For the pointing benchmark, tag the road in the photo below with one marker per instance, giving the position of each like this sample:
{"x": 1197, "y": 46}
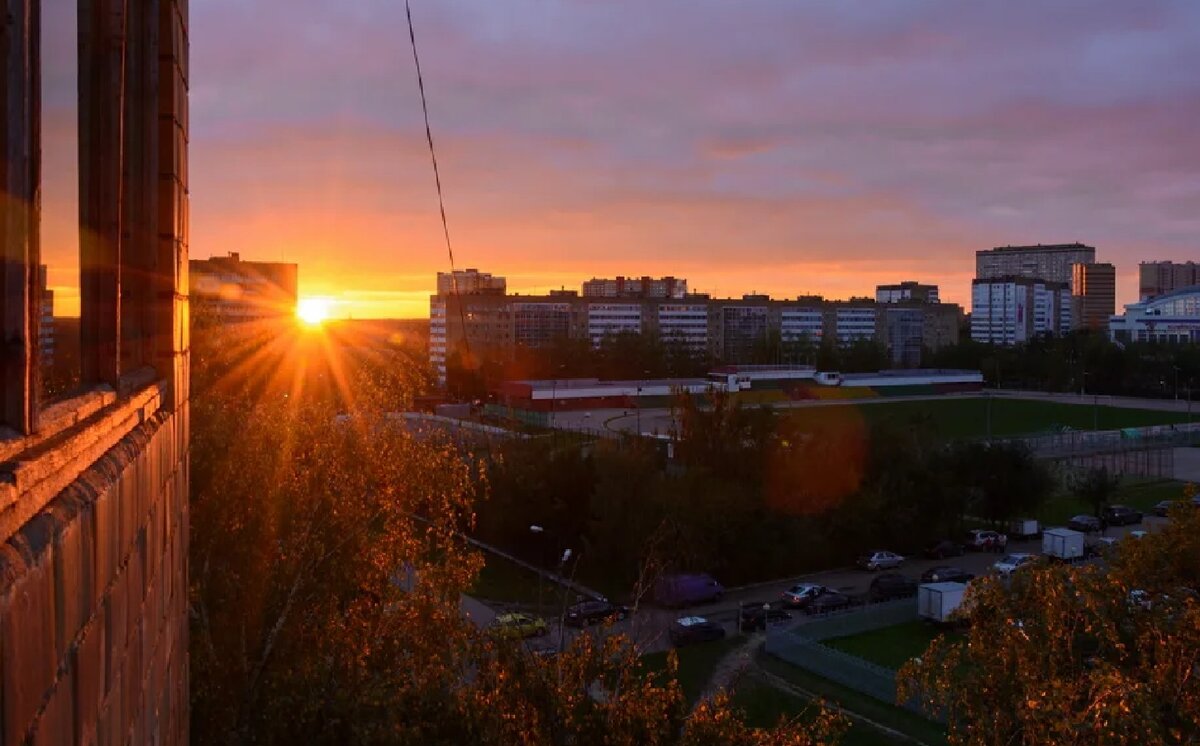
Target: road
{"x": 648, "y": 626}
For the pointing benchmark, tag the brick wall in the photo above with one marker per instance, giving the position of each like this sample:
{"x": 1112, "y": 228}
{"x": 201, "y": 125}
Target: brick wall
{"x": 93, "y": 601}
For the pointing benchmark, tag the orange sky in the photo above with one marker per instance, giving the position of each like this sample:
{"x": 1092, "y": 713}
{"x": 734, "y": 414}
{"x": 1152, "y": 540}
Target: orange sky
{"x": 772, "y": 146}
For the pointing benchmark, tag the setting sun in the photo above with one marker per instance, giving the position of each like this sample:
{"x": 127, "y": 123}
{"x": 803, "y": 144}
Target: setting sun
{"x": 313, "y": 311}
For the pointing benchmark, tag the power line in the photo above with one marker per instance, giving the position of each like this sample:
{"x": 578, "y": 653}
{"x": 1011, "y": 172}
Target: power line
{"x": 437, "y": 178}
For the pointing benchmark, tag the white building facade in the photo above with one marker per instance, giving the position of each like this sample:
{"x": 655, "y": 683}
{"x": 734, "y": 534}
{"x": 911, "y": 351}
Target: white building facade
{"x": 1014, "y": 310}
{"x": 1172, "y": 318}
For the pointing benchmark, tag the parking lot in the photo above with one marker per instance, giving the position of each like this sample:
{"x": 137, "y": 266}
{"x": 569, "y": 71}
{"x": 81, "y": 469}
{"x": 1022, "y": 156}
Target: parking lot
{"x": 649, "y": 624}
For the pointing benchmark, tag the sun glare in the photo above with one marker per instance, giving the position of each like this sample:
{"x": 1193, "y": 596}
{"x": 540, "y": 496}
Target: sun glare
{"x": 313, "y": 311}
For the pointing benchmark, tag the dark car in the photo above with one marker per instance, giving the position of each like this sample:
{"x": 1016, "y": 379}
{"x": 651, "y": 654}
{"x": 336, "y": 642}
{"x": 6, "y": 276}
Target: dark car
{"x": 1164, "y": 507}
{"x": 757, "y": 615}
{"x": 946, "y": 574}
{"x": 689, "y": 629}
{"x": 827, "y": 602}
{"x": 943, "y": 549}
{"x": 1122, "y": 515}
{"x": 891, "y": 585}
{"x": 799, "y": 596}
{"x": 593, "y": 612}
{"x": 1085, "y": 523}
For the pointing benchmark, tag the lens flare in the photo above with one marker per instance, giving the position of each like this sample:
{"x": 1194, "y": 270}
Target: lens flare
{"x": 313, "y": 311}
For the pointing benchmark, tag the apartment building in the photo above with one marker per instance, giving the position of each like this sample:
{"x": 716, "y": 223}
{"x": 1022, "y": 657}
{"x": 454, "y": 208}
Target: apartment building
{"x": 635, "y": 287}
{"x": 1013, "y": 310}
{"x": 1048, "y": 262}
{"x": 1160, "y": 278}
{"x": 232, "y": 290}
{"x": 909, "y": 290}
{"x": 494, "y": 324}
{"x": 1094, "y": 293}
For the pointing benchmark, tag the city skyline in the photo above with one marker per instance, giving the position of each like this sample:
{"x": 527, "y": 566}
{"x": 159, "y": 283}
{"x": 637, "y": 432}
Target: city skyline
{"x": 778, "y": 148}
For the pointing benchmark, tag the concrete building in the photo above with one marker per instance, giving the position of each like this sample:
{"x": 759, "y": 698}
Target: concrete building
{"x": 1049, "y": 262}
{"x": 1173, "y": 318}
{"x": 1013, "y": 310}
{"x": 231, "y": 290}
{"x": 1094, "y": 293}
{"x": 94, "y": 489}
{"x": 1160, "y": 278}
{"x": 46, "y": 326}
{"x": 635, "y": 287}
{"x": 470, "y": 281}
{"x": 908, "y": 290}
{"x": 495, "y": 325}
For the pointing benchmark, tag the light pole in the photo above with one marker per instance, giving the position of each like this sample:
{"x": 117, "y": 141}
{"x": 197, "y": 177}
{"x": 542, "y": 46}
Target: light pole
{"x": 536, "y": 529}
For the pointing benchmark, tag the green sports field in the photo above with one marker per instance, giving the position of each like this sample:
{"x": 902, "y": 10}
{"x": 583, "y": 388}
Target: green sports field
{"x": 970, "y": 418}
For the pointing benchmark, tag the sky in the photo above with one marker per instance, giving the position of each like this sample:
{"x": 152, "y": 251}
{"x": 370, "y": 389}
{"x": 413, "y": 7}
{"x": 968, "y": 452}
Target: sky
{"x": 772, "y": 146}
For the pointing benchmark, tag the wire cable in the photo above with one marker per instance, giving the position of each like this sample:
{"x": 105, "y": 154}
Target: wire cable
{"x": 437, "y": 179}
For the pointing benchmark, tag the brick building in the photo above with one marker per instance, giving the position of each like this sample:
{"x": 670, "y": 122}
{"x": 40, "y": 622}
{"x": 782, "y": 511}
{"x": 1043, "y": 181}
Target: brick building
{"x": 94, "y": 488}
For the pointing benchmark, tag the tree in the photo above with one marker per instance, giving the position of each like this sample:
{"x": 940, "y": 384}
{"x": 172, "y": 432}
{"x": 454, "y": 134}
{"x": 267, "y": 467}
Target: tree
{"x": 1076, "y": 654}
{"x": 1095, "y": 487}
{"x": 1000, "y": 480}
{"x": 328, "y": 560}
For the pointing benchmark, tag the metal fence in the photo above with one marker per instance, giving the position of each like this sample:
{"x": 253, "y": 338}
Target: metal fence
{"x": 803, "y": 646}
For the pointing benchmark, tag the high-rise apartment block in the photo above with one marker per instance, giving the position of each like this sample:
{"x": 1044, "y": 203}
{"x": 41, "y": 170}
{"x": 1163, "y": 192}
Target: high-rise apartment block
{"x": 1160, "y": 278}
{"x": 1008, "y": 311}
{"x": 906, "y": 291}
{"x": 1049, "y": 262}
{"x": 231, "y": 290}
{"x": 470, "y": 281}
{"x": 729, "y": 330}
{"x": 1094, "y": 293}
{"x": 635, "y": 287}
{"x": 46, "y": 320}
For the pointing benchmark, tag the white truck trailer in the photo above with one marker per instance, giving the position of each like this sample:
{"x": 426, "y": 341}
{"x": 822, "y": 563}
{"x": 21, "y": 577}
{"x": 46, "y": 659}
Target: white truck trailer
{"x": 1062, "y": 544}
{"x": 937, "y": 601}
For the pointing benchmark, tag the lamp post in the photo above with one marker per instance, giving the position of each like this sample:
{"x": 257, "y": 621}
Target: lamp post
{"x": 536, "y": 529}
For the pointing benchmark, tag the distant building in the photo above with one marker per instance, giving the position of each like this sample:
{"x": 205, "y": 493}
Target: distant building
{"x": 494, "y": 325}
{"x": 635, "y": 287}
{"x": 233, "y": 290}
{"x": 45, "y": 321}
{"x": 1160, "y": 278}
{"x": 1009, "y": 311}
{"x": 1094, "y": 293}
{"x": 906, "y": 291}
{"x": 470, "y": 282}
{"x": 1049, "y": 262}
{"x": 1173, "y": 317}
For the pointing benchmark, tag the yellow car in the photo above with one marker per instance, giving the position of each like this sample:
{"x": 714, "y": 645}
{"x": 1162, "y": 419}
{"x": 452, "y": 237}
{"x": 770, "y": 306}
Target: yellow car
{"x": 519, "y": 626}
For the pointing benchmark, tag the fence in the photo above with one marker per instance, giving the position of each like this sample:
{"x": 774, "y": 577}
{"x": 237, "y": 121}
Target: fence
{"x": 803, "y": 646}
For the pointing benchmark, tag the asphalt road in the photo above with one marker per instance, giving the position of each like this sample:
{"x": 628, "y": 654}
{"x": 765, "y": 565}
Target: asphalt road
{"x": 648, "y": 626}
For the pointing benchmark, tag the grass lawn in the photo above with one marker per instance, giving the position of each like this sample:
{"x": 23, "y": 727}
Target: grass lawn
{"x": 696, "y": 663}
{"x": 501, "y": 580}
{"x": 890, "y": 647}
{"x": 1142, "y": 494}
{"x": 766, "y": 708}
{"x": 968, "y": 418}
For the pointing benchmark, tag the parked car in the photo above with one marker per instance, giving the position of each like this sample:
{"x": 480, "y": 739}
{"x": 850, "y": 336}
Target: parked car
{"x": 984, "y": 540}
{"x": 1101, "y": 546}
{"x": 946, "y": 574}
{"x": 594, "y": 611}
{"x": 879, "y": 560}
{"x": 891, "y": 585}
{"x": 798, "y": 596}
{"x": 1164, "y": 507}
{"x": 1010, "y": 563}
{"x": 1122, "y": 515}
{"x": 1085, "y": 523}
{"x": 827, "y": 602}
{"x": 943, "y": 549}
{"x": 691, "y": 629}
{"x": 517, "y": 626}
{"x": 687, "y": 589}
{"x": 756, "y": 615}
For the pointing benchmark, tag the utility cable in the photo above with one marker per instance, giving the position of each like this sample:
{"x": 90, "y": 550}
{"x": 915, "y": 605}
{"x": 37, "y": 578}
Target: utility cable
{"x": 437, "y": 179}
